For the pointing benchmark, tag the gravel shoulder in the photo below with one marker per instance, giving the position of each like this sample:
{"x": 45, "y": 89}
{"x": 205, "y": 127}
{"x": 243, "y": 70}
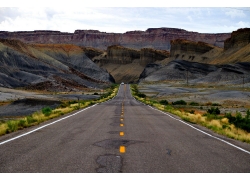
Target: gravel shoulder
{"x": 17, "y": 103}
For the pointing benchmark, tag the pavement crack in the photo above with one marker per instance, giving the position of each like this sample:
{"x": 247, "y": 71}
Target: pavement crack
{"x": 109, "y": 163}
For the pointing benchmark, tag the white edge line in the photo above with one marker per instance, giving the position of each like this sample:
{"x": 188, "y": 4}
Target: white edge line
{"x": 1, "y": 143}
{"x": 196, "y": 128}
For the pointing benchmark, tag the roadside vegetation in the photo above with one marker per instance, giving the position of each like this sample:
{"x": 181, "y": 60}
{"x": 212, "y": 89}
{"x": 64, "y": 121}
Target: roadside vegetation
{"x": 47, "y": 113}
{"x": 233, "y": 126}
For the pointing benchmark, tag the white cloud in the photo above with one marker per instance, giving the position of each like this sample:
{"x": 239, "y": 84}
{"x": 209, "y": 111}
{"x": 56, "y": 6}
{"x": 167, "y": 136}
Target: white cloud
{"x": 233, "y": 13}
{"x": 68, "y": 19}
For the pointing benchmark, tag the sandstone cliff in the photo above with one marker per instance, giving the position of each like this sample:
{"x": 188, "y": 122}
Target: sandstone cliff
{"x": 126, "y": 64}
{"x": 121, "y": 55}
{"x": 193, "y": 51}
{"x": 149, "y": 55}
{"x": 157, "y": 38}
{"x": 238, "y": 39}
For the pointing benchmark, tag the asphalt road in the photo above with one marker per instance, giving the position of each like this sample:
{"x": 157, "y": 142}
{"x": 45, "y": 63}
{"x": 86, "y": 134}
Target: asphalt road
{"x": 93, "y": 140}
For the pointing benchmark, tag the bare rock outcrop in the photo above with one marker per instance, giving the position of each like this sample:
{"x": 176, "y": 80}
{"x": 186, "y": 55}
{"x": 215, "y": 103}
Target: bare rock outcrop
{"x": 149, "y": 55}
{"x": 238, "y": 39}
{"x": 54, "y": 67}
{"x": 121, "y": 55}
{"x": 157, "y": 38}
{"x": 183, "y": 49}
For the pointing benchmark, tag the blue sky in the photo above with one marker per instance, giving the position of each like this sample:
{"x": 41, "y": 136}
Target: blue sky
{"x": 108, "y": 16}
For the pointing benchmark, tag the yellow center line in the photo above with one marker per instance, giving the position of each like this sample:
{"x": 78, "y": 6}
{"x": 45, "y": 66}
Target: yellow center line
{"x": 121, "y": 133}
{"x": 121, "y": 124}
{"x": 122, "y": 149}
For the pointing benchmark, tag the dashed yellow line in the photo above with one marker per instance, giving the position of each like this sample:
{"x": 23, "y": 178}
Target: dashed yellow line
{"x": 122, "y": 149}
{"x": 121, "y": 133}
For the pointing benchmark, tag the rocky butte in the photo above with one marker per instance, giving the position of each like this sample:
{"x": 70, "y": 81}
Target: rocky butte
{"x": 156, "y": 38}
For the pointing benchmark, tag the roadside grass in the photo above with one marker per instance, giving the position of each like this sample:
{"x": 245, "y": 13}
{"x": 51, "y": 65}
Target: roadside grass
{"x": 47, "y": 113}
{"x": 215, "y": 122}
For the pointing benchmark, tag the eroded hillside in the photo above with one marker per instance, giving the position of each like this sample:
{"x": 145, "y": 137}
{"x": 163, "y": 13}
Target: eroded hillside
{"x": 56, "y": 67}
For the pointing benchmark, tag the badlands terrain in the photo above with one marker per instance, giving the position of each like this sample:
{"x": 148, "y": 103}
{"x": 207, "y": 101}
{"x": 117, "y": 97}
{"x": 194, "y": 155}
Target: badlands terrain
{"x": 167, "y": 63}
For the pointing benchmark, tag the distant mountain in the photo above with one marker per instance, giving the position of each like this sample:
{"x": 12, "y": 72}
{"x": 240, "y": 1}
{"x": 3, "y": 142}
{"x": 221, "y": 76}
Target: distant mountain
{"x": 156, "y": 38}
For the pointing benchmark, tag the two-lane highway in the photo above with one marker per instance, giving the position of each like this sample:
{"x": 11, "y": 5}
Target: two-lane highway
{"x": 121, "y": 135}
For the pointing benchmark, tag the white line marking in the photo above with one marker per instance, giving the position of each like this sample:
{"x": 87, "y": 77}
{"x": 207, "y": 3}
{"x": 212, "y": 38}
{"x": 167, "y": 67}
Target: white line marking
{"x": 52, "y": 122}
{"x": 196, "y": 128}
{"x": 203, "y": 131}
{"x": 45, "y": 126}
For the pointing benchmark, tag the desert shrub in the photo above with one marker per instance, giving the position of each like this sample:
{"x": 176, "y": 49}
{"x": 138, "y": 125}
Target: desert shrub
{"x": 73, "y": 102}
{"x": 12, "y": 126}
{"x": 141, "y": 95}
{"x": 63, "y": 105}
{"x": 213, "y": 110}
{"x": 239, "y": 121}
{"x": 180, "y": 102}
{"x": 215, "y": 104}
{"x": 163, "y": 102}
{"x": 95, "y": 93}
{"x": 192, "y": 111}
{"x": 30, "y": 119}
{"x": 194, "y": 104}
{"x": 47, "y": 111}
{"x": 21, "y": 123}
{"x": 209, "y": 103}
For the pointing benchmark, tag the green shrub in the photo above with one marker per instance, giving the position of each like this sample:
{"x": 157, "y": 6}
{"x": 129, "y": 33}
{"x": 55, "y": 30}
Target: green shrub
{"x": 73, "y": 102}
{"x": 180, "y": 102}
{"x": 239, "y": 121}
{"x": 215, "y": 104}
{"x": 12, "y": 126}
{"x": 63, "y": 105}
{"x": 46, "y": 111}
{"x": 163, "y": 102}
{"x": 141, "y": 95}
{"x": 21, "y": 123}
{"x": 30, "y": 119}
{"x": 213, "y": 110}
{"x": 194, "y": 104}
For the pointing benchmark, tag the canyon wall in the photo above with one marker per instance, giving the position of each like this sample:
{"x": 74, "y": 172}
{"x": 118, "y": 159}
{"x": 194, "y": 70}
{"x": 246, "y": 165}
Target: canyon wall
{"x": 157, "y": 38}
{"x": 149, "y": 55}
{"x": 238, "y": 39}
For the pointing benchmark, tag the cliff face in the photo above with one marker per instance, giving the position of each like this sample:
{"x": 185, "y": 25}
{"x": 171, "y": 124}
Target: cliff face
{"x": 149, "y": 55}
{"x": 121, "y": 55}
{"x": 157, "y": 38}
{"x": 126, "y": 64}
{"x": 193, "y": 51}
{"x": 238, "y": 38}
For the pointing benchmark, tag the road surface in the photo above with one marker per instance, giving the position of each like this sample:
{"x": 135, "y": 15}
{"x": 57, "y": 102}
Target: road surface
{"x": 121, "y": 135}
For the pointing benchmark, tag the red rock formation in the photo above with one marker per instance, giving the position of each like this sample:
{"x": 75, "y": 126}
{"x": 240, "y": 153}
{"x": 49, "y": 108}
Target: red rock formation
{"x": 157, "y": 38}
